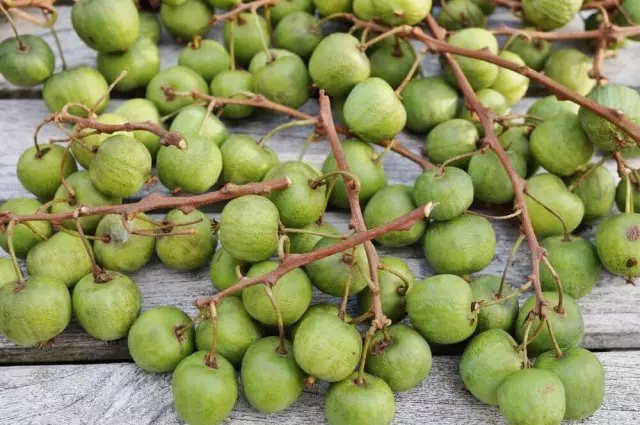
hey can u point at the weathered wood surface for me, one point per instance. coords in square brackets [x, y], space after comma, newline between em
[122, 394]
[620, 69]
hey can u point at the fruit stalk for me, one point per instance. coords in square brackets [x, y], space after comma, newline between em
[253, 5]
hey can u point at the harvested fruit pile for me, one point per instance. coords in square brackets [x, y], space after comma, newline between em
[83, 235]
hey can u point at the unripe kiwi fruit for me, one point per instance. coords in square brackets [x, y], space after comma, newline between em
[117, 249]
[141, 62]
[283, 78]
[7, 272]
[179, 78]
[106, 25]
[450, 188]
[226, 270]
[550, 14]
[193, 118]
[617, 243]
[450, 139]
[534, 53]
[149, 26]
[286, 8]
[329, 7]
[491, 183]
[297, 32]
[480, 74]
[249, 33]
[186, 19]
[550, 108]
[301, 243]
[230, 84]
[39, 169]
[351, 403]
[29, 65]
[137, 110]
[597, 190]
[429, 101]
[460, 14]
[63, 256]
[24, 239]
[244, 160]
[85, 149]
[392, 62]
[401, 12]
[207, 57]
[570, 67]
[510, 84]
[516, 140]
[502, 314]
[492, 100]
[82, 85]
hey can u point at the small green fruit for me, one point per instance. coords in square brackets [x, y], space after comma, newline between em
[225, 270]
[28, 66]
[297, 32]
[450, 139]
[534, 52]
[186, 251]
[386, 205]
[487, 6]
[329, 7]
[395, 280]
[550, 14]
[63, 256]
[460, 14]
[121, 166]
[326, 347]
[403, 361]
[179, 78]
[401, 12]
[249, 228]
[501, 315]
[193, 117]
[492, 100]
[629, 14]
[487, 360]
[491, 183]
[141, 61]
[81, 85]
[39, 169]
[286, 8]
[621, 195]
[106, 310]
[617, 243]
[301, 243]
[244, 160]
[204, 395]
[207, 57]
[462, 246]
[186, 19]
[597, 191]
[250, 35]
[321, 308]
[451, 189]
[236, 331]
[160, 338]
[364, 10]
[117, 249]
[34, 311]
[138, 110]
[106, 25]
[231, 84]
[550, 108]
[480, 74]
[86, 148]
[23, 237]
[439, 308]
[285, 80]
[510, 84]
[392, 62]
[429, 101]
[351, 403]
[272, 381]
[570, 67]
[7, 272]
[224, 4]
[516, 140]
[149, 26]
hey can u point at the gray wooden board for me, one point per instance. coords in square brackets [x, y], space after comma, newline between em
[620, 69]
[122, 394]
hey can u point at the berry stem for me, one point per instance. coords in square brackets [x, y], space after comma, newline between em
[628, 199]
[282, 350]
[21, 45]
[514, 214]
[210, 107]
[316, 233]
[560, 307]
[365, 351]
[523, 346]
[389, 33]
[284, 247]
[347, 287]
[99, 274]
[501, 299]
[232, 43]
[322, 180]
[265, 44]
[412, 72]
[565, 229]
[405, 283]
[362, 318]
[583, 177]
[56, 39]
[12, 252]
[210, 358]
[285, 126]
[459, 157]
[510, 258]
[236, 11]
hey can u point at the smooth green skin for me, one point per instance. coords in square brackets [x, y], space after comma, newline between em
[492, 100]
[173, 2]
[550, 14]
[460, 246]
[511, 85]
[621, 195]
[618, 246]
[83, 85]
[404, 363]
[186, 20]
[386, 205]
[153, 342]
[532, 397]
[480, 74]
[329, 7]
[299, 205]
[348, 403]
[249, 228]
[179, 78]
[491, 183]
[35, 313]
[229, 84]
[439, 308]
[39, 171]
[192, 170]
[301, 243]
[452, 191]
[149, 26]
[85, 194]
[392, 62]
[248, 33]
[583, 379]
[297, 32]
[141, 61]
[516, 140]
[63, 256]
[271, 381]
[208, 60]
[7, 272]
[597, 191]
[204, 395]
[498, 316]
[604, 135]
[331, 274]
[632, 13]
[224, 4]
[123, 252]
[244, 160]
[364, 10]
[568, 327]
[570, 68]
[293, 293]
[285, 80]
[106, 310]
[550, 108]
[401, 12]
[362, 160]
[461, 14]
[487, 6]
[223, 272]
[429, 102]
[85, 152]
[553, 193]
[393, 289]
[374, 111]
[30, 67]
[236, 331]
[534, 53]
[23, 237]
[337, 64]
[487, 360]
[186, 252]
[321, 308]
[326, 347]
[261, 61]
[560, 146]
[135, 110]
[286, 8]
[106, 25]
[121, 166]
[190, 119]
[450, 139]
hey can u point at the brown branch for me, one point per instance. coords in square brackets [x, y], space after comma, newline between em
[233, 13]
[613, 32]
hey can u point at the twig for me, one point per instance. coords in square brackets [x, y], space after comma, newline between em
[233, 13]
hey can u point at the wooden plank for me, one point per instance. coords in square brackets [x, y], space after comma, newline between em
[620, 69]
[122, 394]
